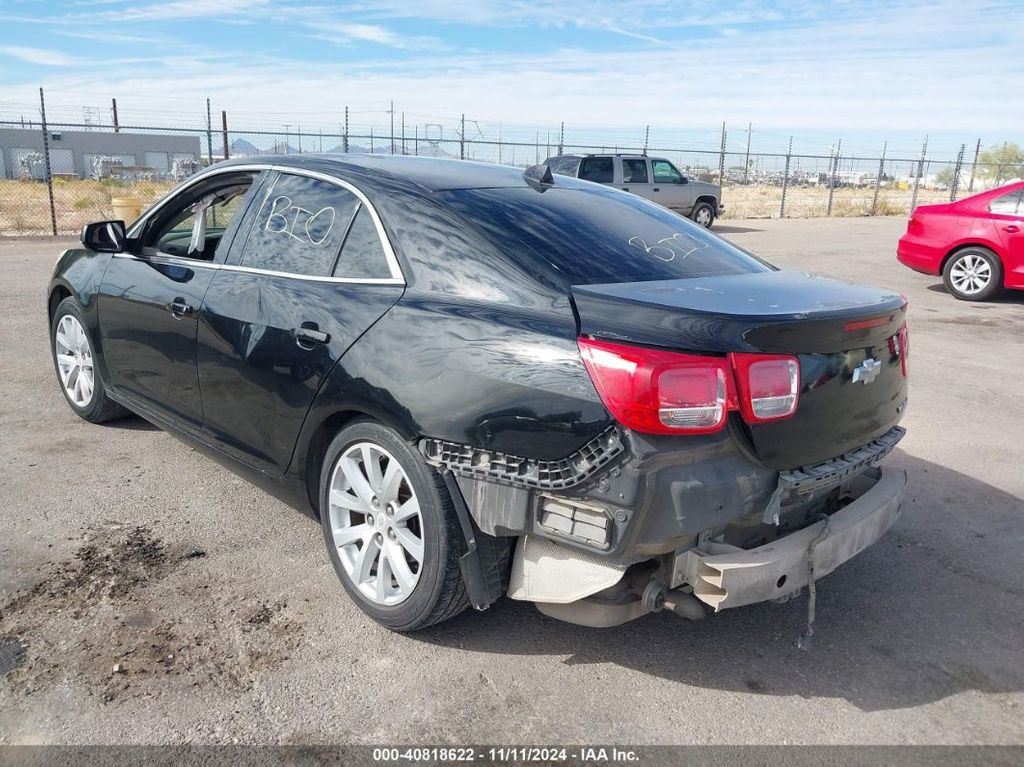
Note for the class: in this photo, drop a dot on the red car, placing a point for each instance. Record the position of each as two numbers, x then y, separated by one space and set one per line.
976 244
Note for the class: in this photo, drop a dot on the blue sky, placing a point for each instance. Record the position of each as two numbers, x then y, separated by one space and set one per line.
864 71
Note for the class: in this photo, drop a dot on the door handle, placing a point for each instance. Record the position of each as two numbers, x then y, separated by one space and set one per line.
1012 228
657 189
307 337
179 308
625 189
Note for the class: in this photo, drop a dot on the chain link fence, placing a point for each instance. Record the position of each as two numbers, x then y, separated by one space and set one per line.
55 179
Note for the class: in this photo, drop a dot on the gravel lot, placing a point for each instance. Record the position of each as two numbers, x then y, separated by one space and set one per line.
149 596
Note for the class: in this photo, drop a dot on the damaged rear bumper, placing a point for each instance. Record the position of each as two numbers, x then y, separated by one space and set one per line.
744 576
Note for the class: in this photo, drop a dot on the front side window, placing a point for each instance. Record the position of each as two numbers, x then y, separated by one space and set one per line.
634 171
599 169
1008 204
665 172
300 227
194 226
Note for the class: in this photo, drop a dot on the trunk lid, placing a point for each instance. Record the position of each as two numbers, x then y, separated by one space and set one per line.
832 327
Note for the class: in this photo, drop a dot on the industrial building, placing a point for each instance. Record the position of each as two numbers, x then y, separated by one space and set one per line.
94 154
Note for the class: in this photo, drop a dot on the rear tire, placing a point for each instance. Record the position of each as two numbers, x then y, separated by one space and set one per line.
381 505
72 352
703 213
973 274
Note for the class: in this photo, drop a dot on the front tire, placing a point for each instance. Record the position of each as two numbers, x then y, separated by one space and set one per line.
973 274
390 528
703 213
73 358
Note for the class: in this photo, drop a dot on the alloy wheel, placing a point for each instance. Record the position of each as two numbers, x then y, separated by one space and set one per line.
704 217
970 274
376 523
74 360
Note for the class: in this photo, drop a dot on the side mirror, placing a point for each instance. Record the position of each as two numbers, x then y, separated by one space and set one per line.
684 180
104 236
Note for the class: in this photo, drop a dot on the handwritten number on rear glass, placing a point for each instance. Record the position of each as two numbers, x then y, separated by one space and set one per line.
298 222
667 248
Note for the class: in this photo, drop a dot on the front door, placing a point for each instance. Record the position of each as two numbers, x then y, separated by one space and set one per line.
1008 218
149 300
671 188
310 277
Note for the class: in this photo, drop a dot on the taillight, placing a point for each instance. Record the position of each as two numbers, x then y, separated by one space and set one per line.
768 384
660 392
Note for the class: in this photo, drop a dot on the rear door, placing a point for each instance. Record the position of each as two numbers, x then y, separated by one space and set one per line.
671 188
636 177
314 272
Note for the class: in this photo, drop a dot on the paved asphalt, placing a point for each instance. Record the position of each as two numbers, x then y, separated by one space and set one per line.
148 595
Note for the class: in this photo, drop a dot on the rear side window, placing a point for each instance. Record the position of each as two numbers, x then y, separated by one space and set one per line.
300 227
597 235
634 171
599 169
362 256
565 166
1008 204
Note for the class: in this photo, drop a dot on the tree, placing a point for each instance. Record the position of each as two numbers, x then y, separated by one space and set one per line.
1001 162
944 178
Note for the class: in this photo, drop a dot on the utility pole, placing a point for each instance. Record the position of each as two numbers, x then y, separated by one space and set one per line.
462 138
956 173
287 129
561 138
878 178
224 130
647 136
113 111
392 113
833 176
209 133
721 159
46 157
918 174
344 135
785 176
974 166
746 162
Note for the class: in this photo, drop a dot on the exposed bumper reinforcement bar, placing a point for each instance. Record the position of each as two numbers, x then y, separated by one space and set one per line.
830 473
743 577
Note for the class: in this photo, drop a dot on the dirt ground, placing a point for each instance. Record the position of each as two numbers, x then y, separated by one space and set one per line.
148 595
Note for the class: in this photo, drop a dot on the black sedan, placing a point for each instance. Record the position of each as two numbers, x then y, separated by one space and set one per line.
484 381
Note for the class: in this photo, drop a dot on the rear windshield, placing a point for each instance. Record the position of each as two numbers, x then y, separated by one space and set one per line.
597 236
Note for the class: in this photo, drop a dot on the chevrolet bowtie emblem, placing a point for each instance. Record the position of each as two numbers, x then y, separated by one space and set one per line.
867 371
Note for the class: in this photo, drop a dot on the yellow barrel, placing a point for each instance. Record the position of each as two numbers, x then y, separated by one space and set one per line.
126 209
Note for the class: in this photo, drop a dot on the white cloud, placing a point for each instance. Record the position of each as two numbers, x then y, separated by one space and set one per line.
371 33
41 56
185 9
